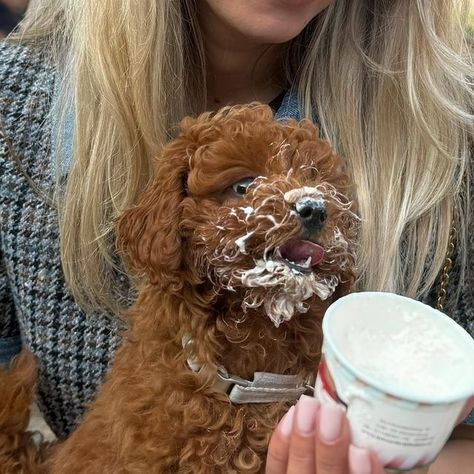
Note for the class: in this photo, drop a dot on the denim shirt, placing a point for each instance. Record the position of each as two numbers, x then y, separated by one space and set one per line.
9 347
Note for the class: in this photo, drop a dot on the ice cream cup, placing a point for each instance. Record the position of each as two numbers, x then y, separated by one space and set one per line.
402 371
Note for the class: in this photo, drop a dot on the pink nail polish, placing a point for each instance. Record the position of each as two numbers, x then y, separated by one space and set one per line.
306 414
330 422
286 423
359 460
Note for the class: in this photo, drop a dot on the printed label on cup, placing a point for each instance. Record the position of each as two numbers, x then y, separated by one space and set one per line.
404 423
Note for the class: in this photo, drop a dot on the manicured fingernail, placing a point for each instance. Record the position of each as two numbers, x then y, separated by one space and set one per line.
359 460
330 422
306 414
286 423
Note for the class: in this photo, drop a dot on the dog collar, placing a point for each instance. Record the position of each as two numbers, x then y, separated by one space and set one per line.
266 387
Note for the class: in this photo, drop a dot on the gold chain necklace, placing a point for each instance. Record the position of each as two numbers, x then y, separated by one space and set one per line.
448 265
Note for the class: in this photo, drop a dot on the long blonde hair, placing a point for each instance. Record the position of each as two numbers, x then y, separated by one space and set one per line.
389 81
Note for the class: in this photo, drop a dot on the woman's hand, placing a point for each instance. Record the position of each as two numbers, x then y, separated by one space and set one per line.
313 439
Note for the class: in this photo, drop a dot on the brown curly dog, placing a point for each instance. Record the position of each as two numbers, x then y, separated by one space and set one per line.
242 241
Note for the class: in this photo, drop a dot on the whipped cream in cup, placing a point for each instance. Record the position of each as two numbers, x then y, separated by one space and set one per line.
401 369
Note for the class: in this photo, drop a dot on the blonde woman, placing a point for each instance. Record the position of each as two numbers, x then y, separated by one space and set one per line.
89 92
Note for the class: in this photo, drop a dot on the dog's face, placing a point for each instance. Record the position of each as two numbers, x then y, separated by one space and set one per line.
249 206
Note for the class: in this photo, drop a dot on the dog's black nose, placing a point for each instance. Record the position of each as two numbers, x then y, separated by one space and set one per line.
312 213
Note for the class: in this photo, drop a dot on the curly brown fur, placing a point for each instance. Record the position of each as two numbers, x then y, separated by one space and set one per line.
197 280
19 453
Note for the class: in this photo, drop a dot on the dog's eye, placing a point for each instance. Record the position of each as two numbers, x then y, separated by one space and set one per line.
240 187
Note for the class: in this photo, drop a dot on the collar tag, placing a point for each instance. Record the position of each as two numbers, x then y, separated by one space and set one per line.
265 387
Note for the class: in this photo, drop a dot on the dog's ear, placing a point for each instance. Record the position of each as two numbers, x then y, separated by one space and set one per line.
148 236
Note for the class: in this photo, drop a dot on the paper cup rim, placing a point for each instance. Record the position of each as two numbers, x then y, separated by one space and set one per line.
396 391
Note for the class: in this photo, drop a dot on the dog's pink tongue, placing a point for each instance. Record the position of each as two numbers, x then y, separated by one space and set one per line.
298 251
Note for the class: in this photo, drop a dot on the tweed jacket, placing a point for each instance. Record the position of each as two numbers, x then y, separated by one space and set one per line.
36 309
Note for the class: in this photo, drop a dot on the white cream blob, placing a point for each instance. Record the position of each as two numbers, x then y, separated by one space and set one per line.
294 288
304 192
240 242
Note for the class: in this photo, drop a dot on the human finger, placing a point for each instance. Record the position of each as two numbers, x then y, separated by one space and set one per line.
362 461
332 441
279 446
301 459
